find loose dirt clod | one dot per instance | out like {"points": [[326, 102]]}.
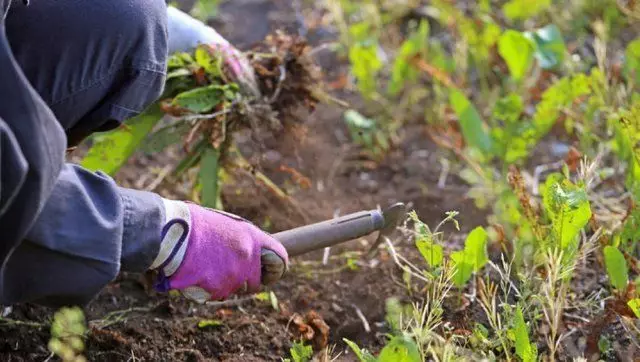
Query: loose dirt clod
{"points": [[313, 328]]}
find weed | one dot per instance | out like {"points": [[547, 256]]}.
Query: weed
{"points": [[67, 335]]}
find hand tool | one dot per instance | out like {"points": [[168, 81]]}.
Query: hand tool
{"points": [[327, 233]]}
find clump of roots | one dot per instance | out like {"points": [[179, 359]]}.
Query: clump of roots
{"points": [[287, 76]]}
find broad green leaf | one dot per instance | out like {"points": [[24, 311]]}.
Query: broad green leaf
{"points": [[568, 207], [473, 129], [362, 354], [475, 248], [365, 66], [634, 304], [616, 266], [111, 150], [524, 9], [432, 253], [205, 60], [165, 137], [208, 177], [463, 269], [400, 349], [524, 348], [403, 71], [191, 159], [517, 52], [550, 48], [178, 73], [179, 60], [208, 323], [274, 300], [301, 352], [200, 100], [632, 62]]}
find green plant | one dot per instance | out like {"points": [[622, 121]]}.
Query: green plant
{"points": [[67, 335], [526, 350], [201, 108], [300, 352], [517, 51], [472, 258], [616, 266]]}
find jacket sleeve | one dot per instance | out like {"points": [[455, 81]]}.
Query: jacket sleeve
{"points": [[89, 230], [65, 232]]}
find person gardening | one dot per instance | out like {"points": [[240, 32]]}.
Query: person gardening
{"points": [[69, 68]]}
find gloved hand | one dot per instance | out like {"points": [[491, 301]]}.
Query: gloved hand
{"points": [[186, 33], [209, 255]]}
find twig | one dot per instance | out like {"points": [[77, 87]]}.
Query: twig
{"points": [[117, 316], [15, 322], [434, 72], [447, 145], [228, 303], [442, 180], [158, 180], [133, 357], [505, 278], [396, 259], [283, 76], [575, 316], [200, 117], [365, 323]]}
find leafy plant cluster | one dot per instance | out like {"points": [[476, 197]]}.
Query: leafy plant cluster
{"points": [[201, 108], [501, 89], [68, 330]]}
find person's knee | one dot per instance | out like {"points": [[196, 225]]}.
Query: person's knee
{"points": [[145, 23], [75, 53]]}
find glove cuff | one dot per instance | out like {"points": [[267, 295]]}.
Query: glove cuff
{"points": [[174, 239]]}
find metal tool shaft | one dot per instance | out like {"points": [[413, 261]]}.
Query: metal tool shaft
{"points": [[331, 232]]}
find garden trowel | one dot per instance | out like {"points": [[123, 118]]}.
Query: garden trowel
{"points": [[327, 233]]}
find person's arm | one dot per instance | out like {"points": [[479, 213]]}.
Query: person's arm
{"points": [[91, 229]]}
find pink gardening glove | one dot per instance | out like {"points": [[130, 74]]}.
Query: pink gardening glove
{"points": [[209, 255], [239, 67]]}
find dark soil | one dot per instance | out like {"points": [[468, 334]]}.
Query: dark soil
{"points": [[160, 328]]}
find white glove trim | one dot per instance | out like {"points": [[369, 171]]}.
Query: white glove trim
{"points": [[173, 210]]}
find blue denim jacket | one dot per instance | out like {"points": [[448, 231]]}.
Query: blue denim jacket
{"points": [[73, 67]]}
